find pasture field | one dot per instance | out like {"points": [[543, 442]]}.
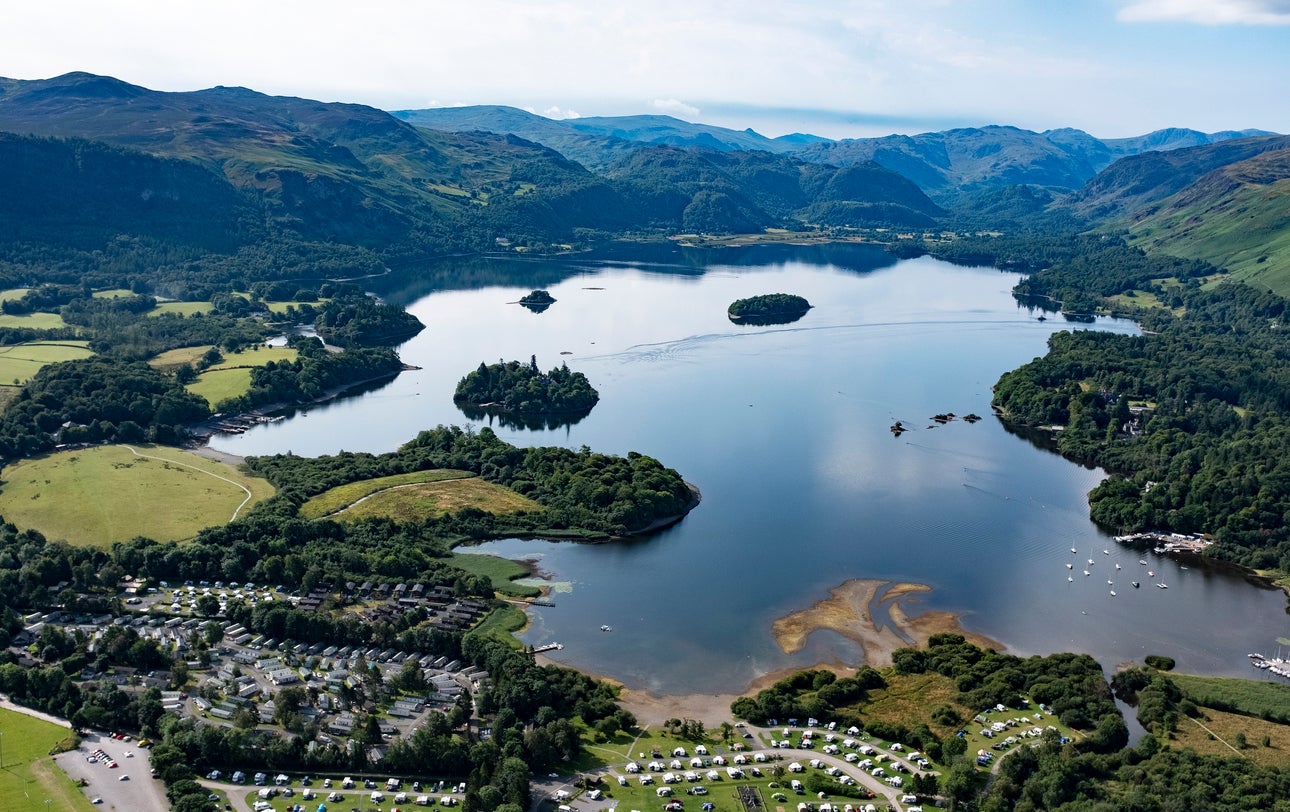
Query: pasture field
{"points": [[256, 356], [113, 293], [168, 360], [181, 308], [19, 362], [342, 496], [231, 377], [13, 293], [30, 779], [406, 503], [218, 385], [34, 321], [1217, 733], [94, 496]]}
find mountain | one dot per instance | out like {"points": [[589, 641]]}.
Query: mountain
{"points": [[1236, 216], [596, 142], [953, 162], [318, 188], [1133, 184], [736, 191]]}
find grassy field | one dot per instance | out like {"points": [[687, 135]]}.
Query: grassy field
{"points": [[19, 362], [113, 293], [231, 377], [256, 356], [34, 321], [13, 293], [168, 360], [218, 385], [502, 624], [329, 502], [406, 503], [94, 496], [1248, 696], [502, 571], [181, 308], [1216, 734], [30, 776]]}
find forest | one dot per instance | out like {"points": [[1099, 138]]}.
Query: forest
{"points": [[768, 308], [525, 390]]}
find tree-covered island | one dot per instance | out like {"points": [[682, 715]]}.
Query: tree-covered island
{"points": [[523, 389], [537, 301], [771, 308]]}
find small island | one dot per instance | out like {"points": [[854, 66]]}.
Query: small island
{"points": [[537, 301], [524, 390], [771, 308]]}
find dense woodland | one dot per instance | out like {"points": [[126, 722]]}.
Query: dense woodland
{"points": [[769, 308], [1191, 417], [526, 390]]}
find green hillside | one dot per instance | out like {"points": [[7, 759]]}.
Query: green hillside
{"points": [[1237, 217]]}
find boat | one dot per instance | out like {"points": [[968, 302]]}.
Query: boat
{"points": [[1090, 562], [1086, 572], [1109, 582], [1117, 566], [1142, 561], [1150, 573], [1106, 552], [606, 628], [1112, 593], [1073, 550], [1069, 578], [1162, 585], [1135, 584], [1070, 566]]}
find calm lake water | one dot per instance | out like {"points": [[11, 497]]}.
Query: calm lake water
{"points": [[785, 431]]}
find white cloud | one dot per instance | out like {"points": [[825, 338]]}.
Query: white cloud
{"points": [[676, 107], [557, 113], [1208, 12]]}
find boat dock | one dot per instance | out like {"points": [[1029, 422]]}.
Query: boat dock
{"points": [[548, 647]]}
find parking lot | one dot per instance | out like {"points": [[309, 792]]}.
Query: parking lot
{"points": [[126, 787]]}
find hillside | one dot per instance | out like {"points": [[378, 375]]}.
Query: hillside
{"points": [[746, 191], [1236, 216], [1138, 182], [596, 142]]}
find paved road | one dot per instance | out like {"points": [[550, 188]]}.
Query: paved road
{"points": [[139, 794]]}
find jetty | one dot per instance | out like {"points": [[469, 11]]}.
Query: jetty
{"points": [[1195, 543], [548, 647]]}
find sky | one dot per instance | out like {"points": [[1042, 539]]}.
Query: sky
{"points": [[837, 68]]}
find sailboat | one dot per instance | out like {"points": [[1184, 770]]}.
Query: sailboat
{"points": [[1069, 578], [1117, 566], [1086, 572], [1070, 566], [1135, 584]]}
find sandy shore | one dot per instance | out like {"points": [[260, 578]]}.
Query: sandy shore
{"points": [[848, 610]]}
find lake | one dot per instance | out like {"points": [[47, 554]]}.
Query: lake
{"points": [[785, 431]]}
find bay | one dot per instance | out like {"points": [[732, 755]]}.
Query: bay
{"points": [[785, 431]]}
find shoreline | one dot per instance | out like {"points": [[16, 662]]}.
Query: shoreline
{"points": [[848, 610]]}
